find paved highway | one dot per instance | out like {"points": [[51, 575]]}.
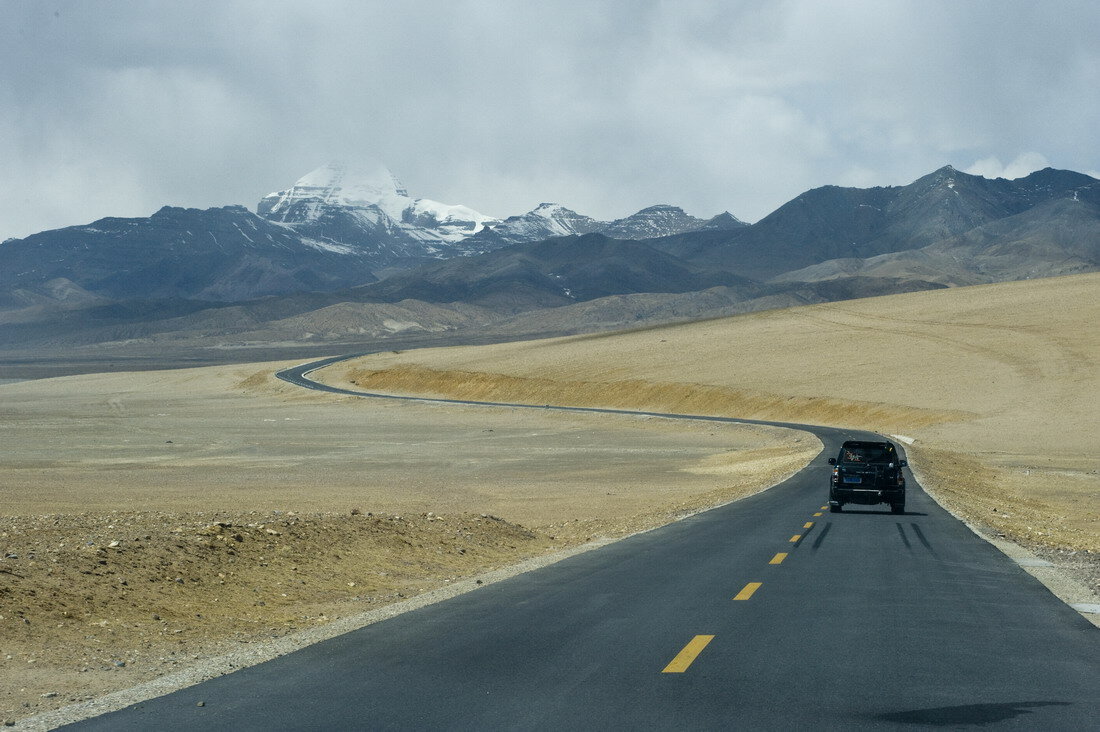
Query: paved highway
{"points": [[768, 613]]}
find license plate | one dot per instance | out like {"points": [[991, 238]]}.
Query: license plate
{"points": [[852, 479]]}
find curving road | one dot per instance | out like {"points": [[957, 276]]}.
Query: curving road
{"points": [[768, 613]]}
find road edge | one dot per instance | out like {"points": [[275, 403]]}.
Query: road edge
{"points": [[1061, 583]]}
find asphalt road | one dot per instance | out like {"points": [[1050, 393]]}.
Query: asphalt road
{"points": [[768, 613]]}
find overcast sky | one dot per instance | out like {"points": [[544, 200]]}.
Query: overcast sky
{"points": [[117, 108]]}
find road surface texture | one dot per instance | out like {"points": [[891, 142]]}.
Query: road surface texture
{"points": [[767, 613]]}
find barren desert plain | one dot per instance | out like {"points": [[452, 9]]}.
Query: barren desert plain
{"points": [[154, 520]]}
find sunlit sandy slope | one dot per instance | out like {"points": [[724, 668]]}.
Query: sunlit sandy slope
{"points": [[999, 384]]}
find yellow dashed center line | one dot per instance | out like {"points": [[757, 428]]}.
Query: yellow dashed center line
{"points": [[684, 658], [818, 513], [746, 593], [695, 646]]}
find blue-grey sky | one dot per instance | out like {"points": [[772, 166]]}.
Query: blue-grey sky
{"points": [[117, 108]]}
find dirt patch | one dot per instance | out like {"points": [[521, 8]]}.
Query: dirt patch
{"points": [[1010, 506], [93, 603]]}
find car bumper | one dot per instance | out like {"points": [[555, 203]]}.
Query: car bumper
{"points": [[867, 496]]}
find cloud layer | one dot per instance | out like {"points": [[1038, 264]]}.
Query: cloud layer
{"points": [[119, 108]]}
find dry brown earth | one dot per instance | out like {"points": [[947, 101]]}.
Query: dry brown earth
{"points": [[153, 520]]}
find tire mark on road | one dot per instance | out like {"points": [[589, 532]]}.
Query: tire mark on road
{"points": [[923, 540], [904, 538]]}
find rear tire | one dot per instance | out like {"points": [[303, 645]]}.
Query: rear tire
{"points": [[897, 507], [834, 508]]}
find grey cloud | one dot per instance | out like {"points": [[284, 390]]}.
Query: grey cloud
{"points": [[118, 108]]}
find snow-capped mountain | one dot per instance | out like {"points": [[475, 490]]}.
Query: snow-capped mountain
{"points": [[545, 221], [553, 220], [653, 222], [369, 209]]}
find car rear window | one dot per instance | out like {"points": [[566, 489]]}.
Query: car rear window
{"points": [[866, 454]]}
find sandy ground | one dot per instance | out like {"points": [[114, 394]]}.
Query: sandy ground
{"points": [[154, 520]]}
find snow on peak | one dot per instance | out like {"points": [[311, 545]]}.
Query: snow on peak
{"points": [[374, 196], [549, 210], [337, 184]]}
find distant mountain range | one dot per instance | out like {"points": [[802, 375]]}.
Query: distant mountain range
{"points": [[354, 254], [552, 220], [833, 223], [333, 228]]}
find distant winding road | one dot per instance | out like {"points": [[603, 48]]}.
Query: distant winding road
{"points": [[767, 613]]}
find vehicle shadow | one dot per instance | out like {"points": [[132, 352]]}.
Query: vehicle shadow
{"points": [[966, 714]]}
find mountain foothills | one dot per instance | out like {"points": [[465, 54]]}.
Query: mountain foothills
{"points": [[346, 256]]}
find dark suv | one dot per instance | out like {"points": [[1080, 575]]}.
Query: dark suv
{"points": [[867, 473]]}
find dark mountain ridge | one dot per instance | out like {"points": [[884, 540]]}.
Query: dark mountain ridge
{"points": [[833, 223], [1055, 237], [220, 254], [549, 273]]}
